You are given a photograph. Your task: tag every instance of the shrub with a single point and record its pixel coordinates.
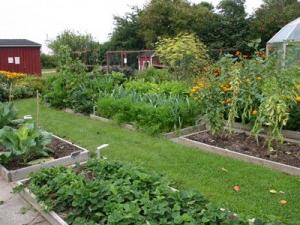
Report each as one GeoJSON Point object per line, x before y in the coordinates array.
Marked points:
{"type": "Point", "coordinates": [21, 86]}
{"type": "Point", "coordinates": [184, 54]}
{"type": "Point", "coordinates": [154, 75]}
{"type": "Point", "coordinates": [79, 91]}
{"type": "Point", "coordinates": [165, 87]}
{"type": "Point", "coordinates": [294, 119]}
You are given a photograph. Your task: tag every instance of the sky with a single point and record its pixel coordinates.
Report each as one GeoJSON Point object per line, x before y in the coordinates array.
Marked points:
{"type": "Point", "coordinates": [42, 20]}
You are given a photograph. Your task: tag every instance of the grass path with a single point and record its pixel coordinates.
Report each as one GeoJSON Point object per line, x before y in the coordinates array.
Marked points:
{"type": "Point", "coordinates": [188, 167]}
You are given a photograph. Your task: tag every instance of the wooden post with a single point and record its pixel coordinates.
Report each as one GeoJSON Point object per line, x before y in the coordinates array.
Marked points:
{"type": "Point", "coordinates": [10, 92]}
{"type": "Point", "coordinates": [107, 63]}
{"type": "Point", "coordinates": [37, 108]}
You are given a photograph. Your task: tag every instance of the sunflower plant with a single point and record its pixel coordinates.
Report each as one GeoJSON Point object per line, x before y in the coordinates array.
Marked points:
{"type": "Point", "coordinates": [256, 91]}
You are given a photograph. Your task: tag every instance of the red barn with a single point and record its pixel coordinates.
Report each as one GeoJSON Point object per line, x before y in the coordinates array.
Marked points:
{"type": "Point", "coordinates": [20, 55]}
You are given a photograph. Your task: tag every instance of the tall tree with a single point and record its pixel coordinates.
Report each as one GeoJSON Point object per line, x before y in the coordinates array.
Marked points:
{"type": "Point", "coordinates": [162, 18]}
{"type": "Point", "coordinates": [272, 16]}
{"type": "Point", "coordinates": [126, 33]}
{"type": "Point", "coordinates": [234, 32]}
{"type": "Point", "coordinates": [82, 46]}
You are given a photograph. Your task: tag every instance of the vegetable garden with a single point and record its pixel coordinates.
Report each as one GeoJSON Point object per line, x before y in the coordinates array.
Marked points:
{"type": "Point", "coordinates": [255, 91]}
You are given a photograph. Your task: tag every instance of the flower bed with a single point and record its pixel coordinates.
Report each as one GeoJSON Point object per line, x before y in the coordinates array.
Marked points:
{"type": "Point", "coordinates": [113, 193]}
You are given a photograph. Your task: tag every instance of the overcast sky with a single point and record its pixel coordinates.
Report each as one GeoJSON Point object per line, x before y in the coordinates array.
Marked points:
{"type": "Point", "coordinates": [39, 20]}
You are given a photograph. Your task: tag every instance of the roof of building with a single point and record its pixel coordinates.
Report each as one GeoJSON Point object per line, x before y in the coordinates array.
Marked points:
{"type": "Point", "coordinates": [18, 43]}
{"type": "Point", "coordinates": [290, 32]}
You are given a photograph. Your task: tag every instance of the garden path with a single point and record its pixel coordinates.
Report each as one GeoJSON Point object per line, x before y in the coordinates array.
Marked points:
{"type": "Point", "coordinates": [16, 211]}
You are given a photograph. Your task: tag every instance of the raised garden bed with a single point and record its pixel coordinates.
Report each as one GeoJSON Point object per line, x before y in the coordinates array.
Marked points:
{"type": "Point", "coordinates": [114, 193]}
{"type": "Point", "coordinates": [65, 153]}
{"type": "Point", "coordinates": [240, 145]}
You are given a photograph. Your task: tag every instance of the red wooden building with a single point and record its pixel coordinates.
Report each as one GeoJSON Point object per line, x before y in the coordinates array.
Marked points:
{"type": "Point", "coordinates": [20, 55]}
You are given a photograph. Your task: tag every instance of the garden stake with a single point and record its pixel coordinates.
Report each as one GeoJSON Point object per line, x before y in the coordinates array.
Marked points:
{"type": "Point", "coordinates": [99, 150]}
{"type": "Point", "coordinates": [10, 92]}
{"type": "Point", "coordinates": [37, 108]}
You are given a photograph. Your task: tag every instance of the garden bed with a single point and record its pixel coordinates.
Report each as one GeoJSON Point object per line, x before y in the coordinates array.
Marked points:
{"type": "Point", "coordinates": [241, 145]}
{"type": "Point", "coordinates": [65, 153]}
{"type": "Point", "coordinates": [116, 193]}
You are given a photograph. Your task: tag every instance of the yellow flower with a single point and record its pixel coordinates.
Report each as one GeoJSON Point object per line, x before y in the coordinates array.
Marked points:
{"type": "Point", "coordinates": [12, 75]}
{"type": "Point", "coordinates": [227, 101]}
{"type": "Point", "coordinates": [254, 113]}
{"type": "Point", "coordinates": [298, 86]}
{"type": "Point", "coordinates": [258, 78]}
{"type": "Point", "coordinates": [298, 99]}
{"type": "Point", "coordinates": [227, 88]}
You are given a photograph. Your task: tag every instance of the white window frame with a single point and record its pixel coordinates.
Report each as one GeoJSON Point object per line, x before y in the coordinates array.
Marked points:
{"type": "Point", "coordinates": [17, 60]}
{"type": "Point", "coordinates": [10, 60]}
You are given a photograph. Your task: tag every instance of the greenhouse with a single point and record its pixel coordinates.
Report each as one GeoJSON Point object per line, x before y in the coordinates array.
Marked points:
{"type": "Point", "coordinates": [285, 45]}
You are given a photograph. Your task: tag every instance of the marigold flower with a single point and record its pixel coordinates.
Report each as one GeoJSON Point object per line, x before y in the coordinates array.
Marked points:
{"type": "Point", "coordinates": [227, 88]}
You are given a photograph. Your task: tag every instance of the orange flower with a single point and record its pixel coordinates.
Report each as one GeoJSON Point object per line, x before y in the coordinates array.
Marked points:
{"type": "Point", "coordinates": [237, 53]}
{"type": "Point", "coordinates": [254, 113]}
{"type": "Point", "coordinates": [217, 72]}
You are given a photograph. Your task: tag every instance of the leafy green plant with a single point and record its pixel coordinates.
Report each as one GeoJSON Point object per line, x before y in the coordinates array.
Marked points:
{"type": "Point", "coordinates": [24, 144]}
{"type": "Point", "coordinates": [154, 75]}
{"type": "Point", "coordinates": [153, 113]}
{"type": "Point", "coordinates": [8, 113]}
{"type": "Point", "coordinates": [165, 87]}
{"type": "Point", "coordinates": [115, 193]}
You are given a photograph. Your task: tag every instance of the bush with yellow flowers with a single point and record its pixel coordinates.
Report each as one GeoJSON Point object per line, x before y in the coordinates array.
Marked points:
{"type": "Point", "coordinates": [18, 85]}
{"type": "Point", "coordinates": [12, 75]}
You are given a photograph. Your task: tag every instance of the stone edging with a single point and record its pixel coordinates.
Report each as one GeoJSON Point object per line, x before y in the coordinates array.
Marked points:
{"type": "Point", "coordinates": [105, 120]}
{"type": "Point", "coordinates": [19, 174]}
{"type": "Point", "coordinates": [236, 155]}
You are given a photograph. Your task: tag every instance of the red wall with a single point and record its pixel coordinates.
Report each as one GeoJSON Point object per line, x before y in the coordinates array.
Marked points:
{"type": "Point", "coordinates": [30, 61]}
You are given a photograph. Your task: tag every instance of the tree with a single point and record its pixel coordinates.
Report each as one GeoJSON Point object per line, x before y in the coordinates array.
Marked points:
{"type": "Point", "coordinates": [184, 54]}
{"type": "Point", "coordinates": [126, 32]}
{"type": "Point", "coordinates": [163, 18]}
{"type": "Point", "coordinates": [234, 32]}
{"type": "Point", "coordinates": [272, 16]}
{"type": "Point", "coordinates": [82, 46]}
{"type": "Point", "coordinates": [48, 61]}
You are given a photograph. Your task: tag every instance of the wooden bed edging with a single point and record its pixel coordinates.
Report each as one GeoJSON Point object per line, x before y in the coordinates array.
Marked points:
{"type": "Point", "coordinates": [236, 155]}
{"type": "Point", "coordinates": [19, 174]}
{"type": "Point", "coordinates": [52, 217]}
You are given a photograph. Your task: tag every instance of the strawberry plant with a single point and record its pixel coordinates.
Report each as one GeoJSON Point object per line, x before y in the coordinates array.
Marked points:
{"type": "Point", "coordinates": [103, 192]}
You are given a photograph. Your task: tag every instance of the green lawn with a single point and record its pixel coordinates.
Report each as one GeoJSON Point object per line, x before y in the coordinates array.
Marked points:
{"type": "Point", "coordinates": [188, 167]}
